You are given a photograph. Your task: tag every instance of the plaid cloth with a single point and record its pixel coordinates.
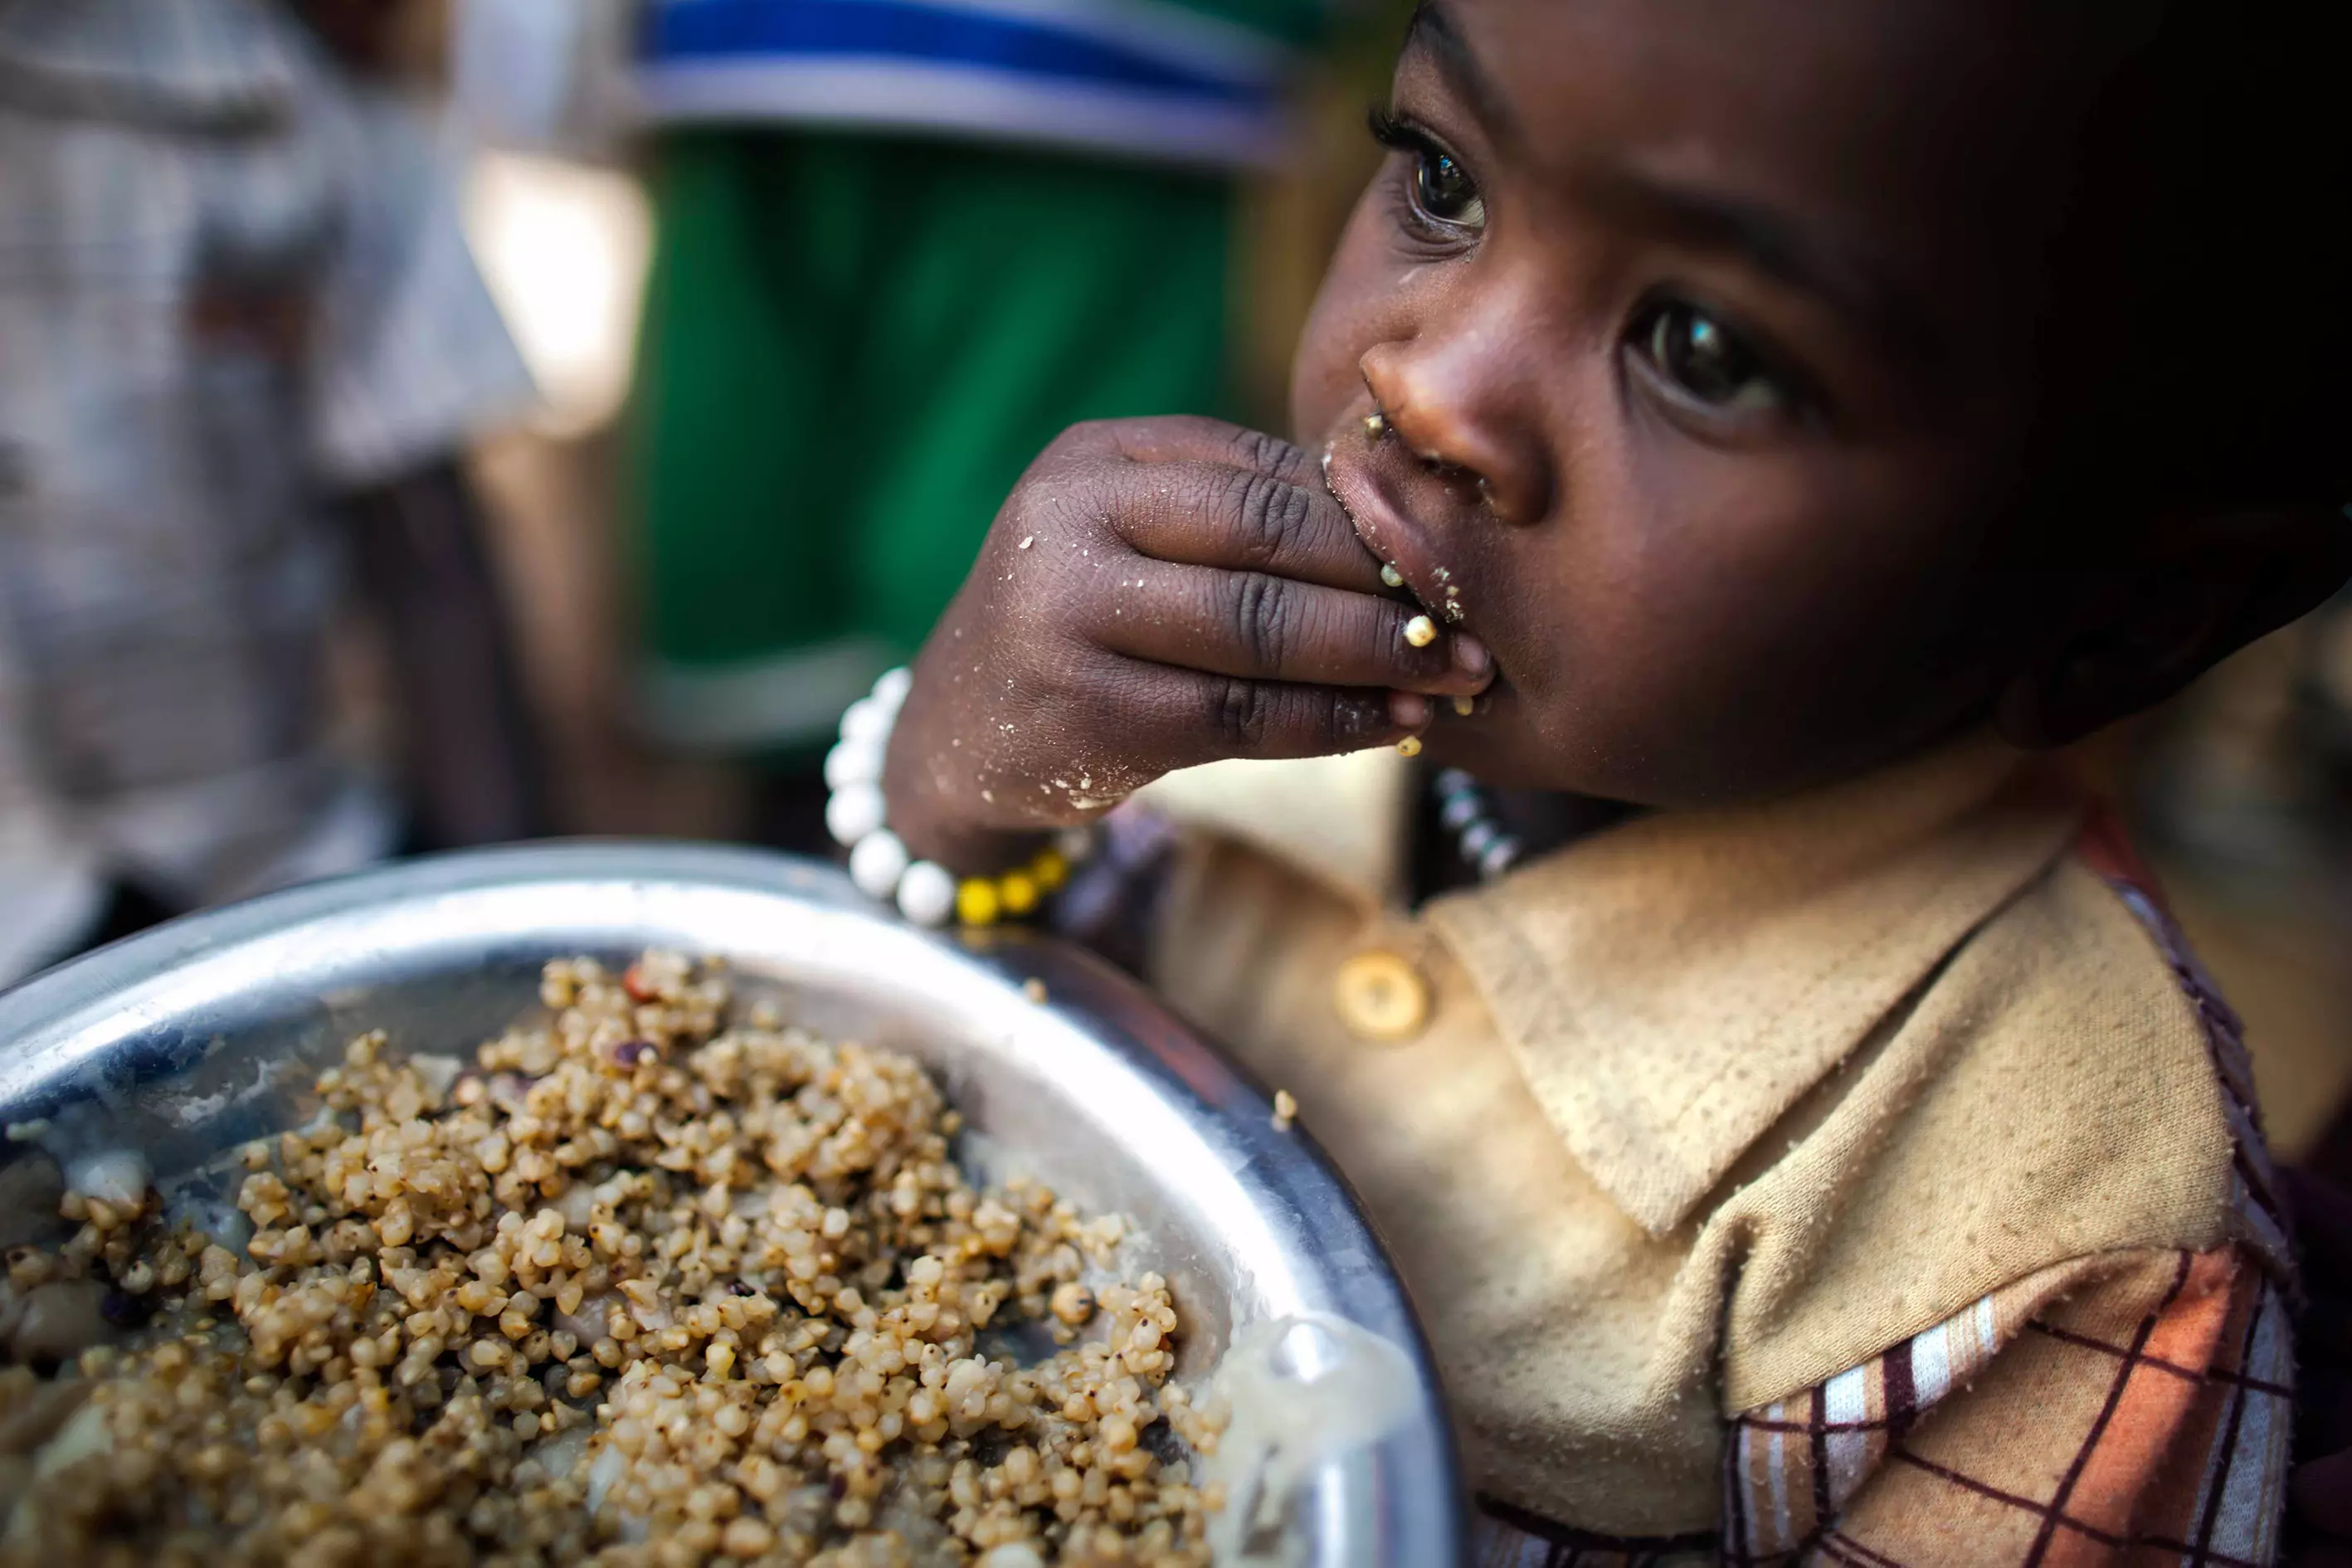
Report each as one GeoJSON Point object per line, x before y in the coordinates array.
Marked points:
{"type": "Point", "coordinates": [231, 285]}
{"type": "Point", "coordinates": [2127, 1408]}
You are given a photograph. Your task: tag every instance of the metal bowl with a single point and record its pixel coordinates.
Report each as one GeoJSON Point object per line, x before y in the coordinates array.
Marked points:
{"type": "Point", "coordinates": [191, 1039]}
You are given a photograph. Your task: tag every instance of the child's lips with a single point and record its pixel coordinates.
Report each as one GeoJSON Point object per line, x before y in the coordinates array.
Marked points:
{"type": "Point", "coordinates": [1382, 522]}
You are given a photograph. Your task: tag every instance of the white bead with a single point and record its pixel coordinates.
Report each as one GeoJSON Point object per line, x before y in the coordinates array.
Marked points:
{"type": "Point", "coordinates": [855, 811]}
{"type": "Point", "coordinates": [1478, 837]}
{"type": "Point", "coordinates": [864, 719]}
{"type": "Point", "coordinates": [927, 893]}
{"type": "Point", "coordinates": [854, 763]}
{"type": "Point", "coordinates": [891, 693]}
{"type": "Point", "coordinates": [877, 862]}
{"type": "Point", "coordinates": [1076, 844]}
{"type": "Point", "coordinates": [1499, 857]}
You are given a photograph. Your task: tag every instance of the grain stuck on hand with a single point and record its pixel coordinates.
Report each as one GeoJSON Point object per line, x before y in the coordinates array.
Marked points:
{"type": "Point", "coordinates": [641, 1287]}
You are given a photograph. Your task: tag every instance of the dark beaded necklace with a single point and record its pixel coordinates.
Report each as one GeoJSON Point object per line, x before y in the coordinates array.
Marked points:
{"type": "Point", "coordinates": [1467, 833]}
{"type": "Point", "coordinates": [1485, 845]}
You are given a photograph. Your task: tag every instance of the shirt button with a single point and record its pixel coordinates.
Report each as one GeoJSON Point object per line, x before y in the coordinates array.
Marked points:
{"type": "Point", "coordinates": [1380, 996]}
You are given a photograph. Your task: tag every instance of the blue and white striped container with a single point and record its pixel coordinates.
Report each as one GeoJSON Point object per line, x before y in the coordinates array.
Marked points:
{"type": "Point", "coordinates": [1141, 78]}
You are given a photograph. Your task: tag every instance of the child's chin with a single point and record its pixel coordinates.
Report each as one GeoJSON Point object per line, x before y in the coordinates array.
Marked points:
{"type": "Point", "coordinates": [1479, 745]}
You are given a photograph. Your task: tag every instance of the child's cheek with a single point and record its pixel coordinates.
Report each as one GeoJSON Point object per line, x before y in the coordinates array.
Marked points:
{"type": "Point", "coordinates": [1323, 380]}
{"type": "Point", "coordinates": [1357, 308]}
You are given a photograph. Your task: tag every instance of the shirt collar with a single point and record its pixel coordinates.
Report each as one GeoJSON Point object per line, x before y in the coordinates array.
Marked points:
{"type": "Point", "coordinates": [1673, 987]}
{"type": "Point", "coordinates": [205, 62]}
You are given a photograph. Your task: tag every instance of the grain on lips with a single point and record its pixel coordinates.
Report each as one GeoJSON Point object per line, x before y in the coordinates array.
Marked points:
{"type": "Point", "coordinates": [643, 1286]}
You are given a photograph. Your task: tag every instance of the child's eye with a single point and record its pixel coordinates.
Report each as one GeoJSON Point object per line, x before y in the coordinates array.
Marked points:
{"type": "Point", "coordinates": [1440, 190]}
{"type": "Point", "coordinates": [1444, 193]}
{"type": "Point", "coordinates": [1709, 363]}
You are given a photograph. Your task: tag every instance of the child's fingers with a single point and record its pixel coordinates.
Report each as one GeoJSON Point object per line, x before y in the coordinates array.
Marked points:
{"type": "Point", "coordinates": [1188, 439]}
{"type": "Point", "coordinates": [1260, 627]}
{"type": "Point", "coordinates": [1212, 494]}
{"type": "Point", "coordinates": [1205, 515]}
{"type": "Point", "coordinates": [1206, 718]}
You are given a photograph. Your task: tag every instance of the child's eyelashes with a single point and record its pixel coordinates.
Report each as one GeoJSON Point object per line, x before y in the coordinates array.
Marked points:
{"type": "Point", "coordinates": [1441, 198]}
{"type": "Point", "coordinates": [1709, 367]}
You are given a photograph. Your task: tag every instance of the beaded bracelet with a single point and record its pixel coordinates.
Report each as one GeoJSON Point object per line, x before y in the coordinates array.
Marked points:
{"type": "Point", "coordinates": [926, 892]}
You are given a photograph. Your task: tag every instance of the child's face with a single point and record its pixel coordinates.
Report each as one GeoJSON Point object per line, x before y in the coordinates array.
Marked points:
{"type": "Point", "coordinates": [1729, 304]}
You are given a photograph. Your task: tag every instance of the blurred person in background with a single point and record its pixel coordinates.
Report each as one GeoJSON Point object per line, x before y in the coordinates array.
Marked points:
{"type": "Point", "coordinates": [241, 346]}
{"type": "Point", "coordinates": [900, 245]}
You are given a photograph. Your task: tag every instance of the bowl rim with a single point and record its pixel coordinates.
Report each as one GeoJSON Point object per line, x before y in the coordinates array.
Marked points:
{"type": "Point", "coordinates": [54, 1024]}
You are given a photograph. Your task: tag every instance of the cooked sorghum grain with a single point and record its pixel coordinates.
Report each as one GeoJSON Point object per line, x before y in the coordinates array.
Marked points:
{"type": "Point", "coordinates": [643, 1287]}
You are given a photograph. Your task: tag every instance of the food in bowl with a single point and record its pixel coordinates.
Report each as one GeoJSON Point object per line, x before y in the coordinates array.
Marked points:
{"type": "Point", "coordinates": [643, 1283]}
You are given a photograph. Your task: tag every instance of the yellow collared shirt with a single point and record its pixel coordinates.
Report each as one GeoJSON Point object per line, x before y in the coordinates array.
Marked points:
{"type": "Point", "coordinates": [1800, 1179]}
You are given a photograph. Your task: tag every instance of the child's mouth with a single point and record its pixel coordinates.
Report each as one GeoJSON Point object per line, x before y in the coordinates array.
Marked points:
{"type": "Point", "coordinates": [1352, 472]}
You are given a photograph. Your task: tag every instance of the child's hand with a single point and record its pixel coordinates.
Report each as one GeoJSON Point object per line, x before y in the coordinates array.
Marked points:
{"type": "Point", "coordinates": [1155, 592]}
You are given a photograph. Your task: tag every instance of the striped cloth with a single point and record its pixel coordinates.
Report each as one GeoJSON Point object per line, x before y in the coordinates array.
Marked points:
{"type": "Point", "coordinates": [230, 286]}
{"type": "Point", "coordinates": [2127, 1408]}
{"type": "Point", "coordinates": [1150, 79]}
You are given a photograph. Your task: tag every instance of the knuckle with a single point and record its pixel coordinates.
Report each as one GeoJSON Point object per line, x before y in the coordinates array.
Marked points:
{"type": "Point", "coordinates": [1055, 514]}
{"type": "Point", "coordinates": [1124, 441]}
{"type": "Point", "coordinates": [1267, 515]}
{"type": "Point", "coordinates": [1241, 712]}
{"type": "Point", "coordinates": [1076, 445]}
{"type": "Point", "coordinates": [1261, 617]}
{"type": "Point", "coordinates": [1087, 436]}
{"type": "Point", "coordinates": [1092, 448]}
{"type": "Point", "coordinates": [1270, 454]}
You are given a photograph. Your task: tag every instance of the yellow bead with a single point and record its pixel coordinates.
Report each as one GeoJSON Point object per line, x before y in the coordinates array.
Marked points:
{"type": "Point", "coordinates": [977, 903]}
{"type": "Point", "coordinates": [1018, 892]}
{"type": "Point", "coordinates": [1049, 870]}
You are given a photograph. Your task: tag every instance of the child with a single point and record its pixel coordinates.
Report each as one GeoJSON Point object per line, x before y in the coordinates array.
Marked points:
{"type": "Point", "coordinates": [1786, 416]}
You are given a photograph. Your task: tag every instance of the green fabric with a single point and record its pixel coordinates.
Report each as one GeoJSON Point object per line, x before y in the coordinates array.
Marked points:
{"type": "Point", "coordinates": [854, 344]}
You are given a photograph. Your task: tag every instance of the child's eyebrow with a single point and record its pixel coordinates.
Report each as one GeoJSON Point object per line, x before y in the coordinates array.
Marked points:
{"type": "Point", "coordinates": [1767, 240]}
{"type": "Point", "coordinates": [1433, 30]}
{"type": "Point", "coordinates": [1701, 217]}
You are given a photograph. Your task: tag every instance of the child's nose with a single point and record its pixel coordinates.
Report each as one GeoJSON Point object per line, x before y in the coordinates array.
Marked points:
{"type": "Point", "coordinates": [1457, 409]}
